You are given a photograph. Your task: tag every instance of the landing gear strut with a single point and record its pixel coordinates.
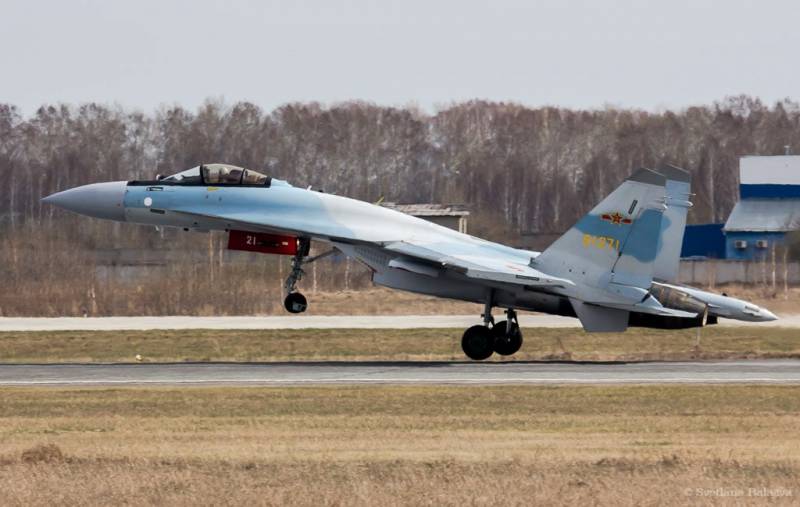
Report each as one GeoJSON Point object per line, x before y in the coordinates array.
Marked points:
{"type": "Point", "coordinates": [504, 337]}
{"type": "Point", "coordinates": [295, 302]}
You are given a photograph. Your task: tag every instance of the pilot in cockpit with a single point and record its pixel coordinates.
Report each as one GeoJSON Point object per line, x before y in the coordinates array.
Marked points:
{"type": "Point", "coordinates": [219, 174]}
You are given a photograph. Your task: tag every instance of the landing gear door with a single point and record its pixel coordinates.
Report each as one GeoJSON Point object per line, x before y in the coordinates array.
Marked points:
{"type": "Point", "coordinates": [262, 243]}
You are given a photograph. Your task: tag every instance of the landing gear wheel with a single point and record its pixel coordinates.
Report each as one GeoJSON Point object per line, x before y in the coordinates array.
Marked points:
{"type": "Point", "coordinates": [295, 303]}
{"type": "Point", "coordinates": [478, 343]}
{"type": "Point", "coordinates": [506, 343]}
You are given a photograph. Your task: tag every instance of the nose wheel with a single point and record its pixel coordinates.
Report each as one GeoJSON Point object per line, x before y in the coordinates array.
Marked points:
{"type": "Point", "coordinates": [295, 302]}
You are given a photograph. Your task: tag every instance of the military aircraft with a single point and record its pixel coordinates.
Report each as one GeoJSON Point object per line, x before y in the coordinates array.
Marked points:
{"type": "Point", "coordinates": [615, 268]}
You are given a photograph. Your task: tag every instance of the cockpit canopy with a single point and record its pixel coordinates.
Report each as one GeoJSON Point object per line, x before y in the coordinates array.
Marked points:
{"type": "Point", "coordinates": [219, 174]}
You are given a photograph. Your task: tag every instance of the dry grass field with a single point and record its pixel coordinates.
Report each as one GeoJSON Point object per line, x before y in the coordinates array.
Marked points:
{"type": "Point", "coordinates": [388, 344]}
{"type": "Point", "coordinates": [398, 445]}
{"type": "Point", "coordinates": [385, 445]}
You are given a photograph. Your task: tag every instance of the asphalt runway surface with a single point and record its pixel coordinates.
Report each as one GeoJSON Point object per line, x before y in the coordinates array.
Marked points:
{"type": "Point", "coordinates": [300, 373]}
{"type": "Point", "coordinates": [303, 322]}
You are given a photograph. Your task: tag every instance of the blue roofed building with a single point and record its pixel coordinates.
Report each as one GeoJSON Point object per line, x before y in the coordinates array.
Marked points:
{"type": "Point", "coordinates": [769, 206]}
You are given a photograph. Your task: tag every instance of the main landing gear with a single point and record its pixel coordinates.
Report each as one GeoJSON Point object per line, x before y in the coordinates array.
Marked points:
{"type": "Point", "coordinates": [504, 337]}
{"type": "Point", "coordinates": [295, 302]}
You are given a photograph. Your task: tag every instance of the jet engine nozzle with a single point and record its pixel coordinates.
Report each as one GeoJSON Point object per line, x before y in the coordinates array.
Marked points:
{"type": "Point", "coordinates": [677, 299]}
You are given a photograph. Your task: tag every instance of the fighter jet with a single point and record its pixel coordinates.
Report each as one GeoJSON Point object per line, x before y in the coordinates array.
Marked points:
{"type": "Point", "coordinates": [613, 269]}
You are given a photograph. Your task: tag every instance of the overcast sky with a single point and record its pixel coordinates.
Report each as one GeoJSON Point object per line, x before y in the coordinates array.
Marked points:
{"type": "Point", "coordinates": [652, 55]}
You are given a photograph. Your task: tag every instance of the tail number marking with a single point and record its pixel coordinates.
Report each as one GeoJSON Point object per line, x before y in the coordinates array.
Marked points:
{"type": "Point", "coordinates": [601, 242]}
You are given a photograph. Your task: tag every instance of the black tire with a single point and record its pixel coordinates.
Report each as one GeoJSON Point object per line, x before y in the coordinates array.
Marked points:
{"type": "Point", "coordinates": [478, 343]}
{"type": "Point", "coordinates": [506, 344]}
{"type": "Point", "coordinates": [295, 303]}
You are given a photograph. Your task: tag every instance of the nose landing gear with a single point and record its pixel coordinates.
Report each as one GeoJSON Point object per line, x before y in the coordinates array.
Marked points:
{"type": "Point", "coordinates": [295, 302]}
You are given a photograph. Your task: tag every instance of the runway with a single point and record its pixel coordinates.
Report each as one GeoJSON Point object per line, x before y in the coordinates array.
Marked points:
{"type": "Point", "coordinates": [303, 322]}
{"type": "Point", "coordinates": [299, 373]}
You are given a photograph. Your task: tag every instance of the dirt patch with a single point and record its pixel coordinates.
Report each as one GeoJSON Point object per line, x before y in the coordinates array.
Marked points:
{"type": "Point", "coordinates": [42, 453]}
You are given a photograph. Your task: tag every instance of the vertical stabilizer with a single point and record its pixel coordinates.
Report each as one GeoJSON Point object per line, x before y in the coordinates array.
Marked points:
{"type": "Point", "coordinates": [673, 224]}
{"type": "Point", "coordinates": [617, 241]}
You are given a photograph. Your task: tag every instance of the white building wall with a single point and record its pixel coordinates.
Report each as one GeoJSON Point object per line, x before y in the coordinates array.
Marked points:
{"type": "Point", "coordinates": [776, 170]}
{"type": "Point", "coordinates": [711, 272]}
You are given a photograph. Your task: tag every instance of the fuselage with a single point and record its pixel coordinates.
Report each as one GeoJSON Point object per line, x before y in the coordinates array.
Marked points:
{"type": "Point", "coordinates": [355, 227]}
{"type": "Point", "coordinates": [283, 207]}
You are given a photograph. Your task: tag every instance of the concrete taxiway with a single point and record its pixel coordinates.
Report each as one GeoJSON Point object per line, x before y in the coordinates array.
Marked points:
{"type": "Point", "coordinates": [301, 322]}
{"type": "Point", "coordinates": [720, 372]}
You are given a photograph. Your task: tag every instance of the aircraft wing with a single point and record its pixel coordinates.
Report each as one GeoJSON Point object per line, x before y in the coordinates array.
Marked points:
{"type": "Point", "coordinates": [475, 259]}
{"type": "Point", "coordinates": [475, 263]}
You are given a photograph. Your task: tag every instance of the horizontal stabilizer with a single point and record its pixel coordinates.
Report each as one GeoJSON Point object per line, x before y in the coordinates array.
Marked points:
{"type": "Point", "coordinates": [614, 317]}
{"type": "Point", "coordinates": [650, 306]}
{"type": "Point", "coordinates": [600, 319]}
{"type": "Point", "coordinates": [663, 311]}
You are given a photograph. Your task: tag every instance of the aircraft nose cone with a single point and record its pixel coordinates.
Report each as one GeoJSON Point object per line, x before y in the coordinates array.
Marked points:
{"type": "Point", "coordinates": [99, 200]}
{"type": "Point", "coordinates": [767, 315]}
